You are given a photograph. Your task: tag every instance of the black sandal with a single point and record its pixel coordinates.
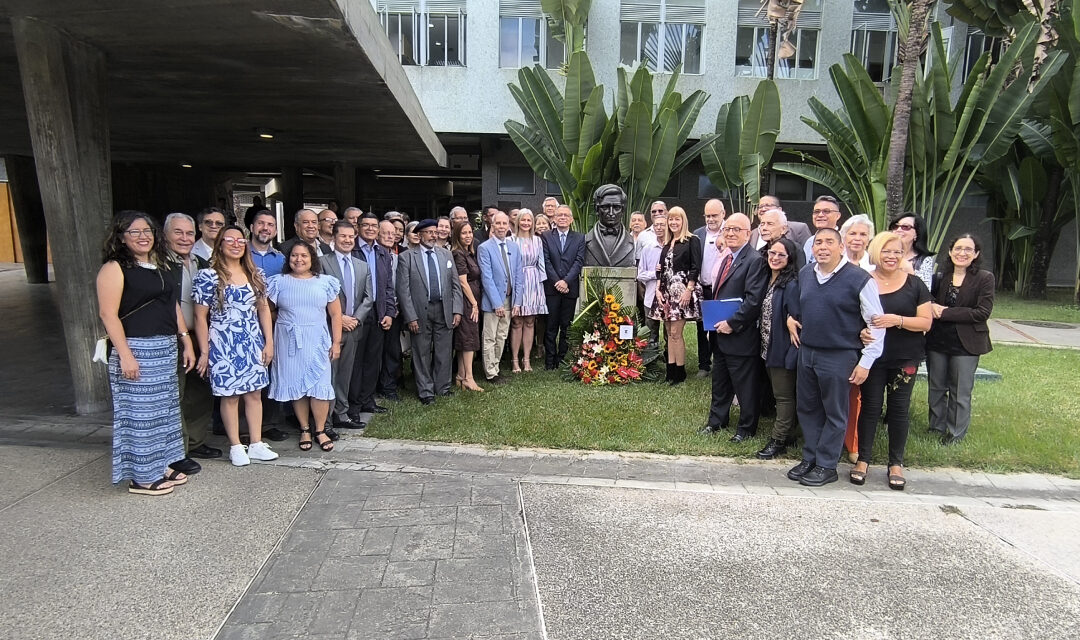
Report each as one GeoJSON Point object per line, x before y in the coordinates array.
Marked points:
{"type": "Point", "coordinates": [858, 477]}
{"type": "Point", "coordinates": [896, 480]}
{"type": "Point", "coordinates": [154, 489]}
{"type": "Point", "coordinates": [175, 477]}
{"type": "Point", "coordinates": [305, 446]}
{"type": "Point", "coordinates": [325, 446]}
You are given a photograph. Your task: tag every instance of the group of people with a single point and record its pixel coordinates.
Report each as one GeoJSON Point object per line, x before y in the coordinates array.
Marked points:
{"type": "Point", "coordinates": [204, 324]}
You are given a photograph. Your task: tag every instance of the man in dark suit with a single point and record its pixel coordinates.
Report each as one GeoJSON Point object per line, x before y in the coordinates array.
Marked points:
{"type": "Point", "coordinates": [483, 230]}
{"type": "Point", "coordinates": [368, 364]}
{"type": "Point", "coordinates": [429, 292]}
{"type": "Point", "coordinates": [710, 256]}
{"type": "Point", "coordinates": [355, 299]}
{"type": "Point", "coordinates": [797, 232]}
{"type": "Point", "coordinates": [743, 274]}
{"type": "Point", "coordinates": [564, 255]}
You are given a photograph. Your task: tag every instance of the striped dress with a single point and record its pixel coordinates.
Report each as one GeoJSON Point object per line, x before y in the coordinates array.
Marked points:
{"type": "Point", "coordinates": [301, 364]}
{"type": "Point", "coordinates": [533, 301]}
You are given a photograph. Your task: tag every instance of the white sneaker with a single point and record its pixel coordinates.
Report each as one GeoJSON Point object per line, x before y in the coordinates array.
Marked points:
{"type": "Point", "coordinates": [239, 456]}
{"type": "Point", "coordinates": [261, 451]}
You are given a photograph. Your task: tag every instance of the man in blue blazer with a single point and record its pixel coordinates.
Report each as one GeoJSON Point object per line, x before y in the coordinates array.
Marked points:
{"type": "Point", "coordinates": [741, 274]}
{"type": "Point", "coordinates": [564, 255]}
{"type": "Point", "coordinates": [502, 278]}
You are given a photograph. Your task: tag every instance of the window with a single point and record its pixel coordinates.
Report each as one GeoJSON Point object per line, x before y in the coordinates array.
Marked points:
{"type": "Point", "coordinates": [525, 38]}
{"type": "Point", "coordinates": [979, 43]}
{"type": "Point", "coordinates": [873, 38]}
{"type": "Point", "coordinates": [516, 180]}
{"type": "Point", "coordinates": [425, 32]}
{"type": "Point", "coordinates": [752, 43]}
{"type": "Point", "coordinates": [662, 34]}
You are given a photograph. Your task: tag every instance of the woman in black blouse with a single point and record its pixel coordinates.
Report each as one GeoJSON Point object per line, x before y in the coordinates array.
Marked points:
{"type": "Point", "coordinates": [963, 299]}
{"type": "Point", "coordinates": [678, 298]}
{"type": "Point", "coordinates": [905, 301]}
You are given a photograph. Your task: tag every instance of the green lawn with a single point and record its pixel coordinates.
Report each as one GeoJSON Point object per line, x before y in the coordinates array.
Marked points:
{"type": "Point", "coordinates": [1058, 307]}
{"type": "Point", "coordinates": [1030, 421]}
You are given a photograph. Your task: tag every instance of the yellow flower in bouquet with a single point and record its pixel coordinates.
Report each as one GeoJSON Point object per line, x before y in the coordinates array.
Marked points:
{"type": "Point", "coordinates": [613, 328]}
{"type": "Point", "coordinates": [608, 299]}
{"type": "Point", "coordinates": [615, 306]}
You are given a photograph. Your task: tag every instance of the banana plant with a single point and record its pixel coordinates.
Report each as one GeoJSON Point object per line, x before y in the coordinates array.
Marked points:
{"type": "Point", "coordinates": [570, 139]}
{"type": "Point", "coordinates": [746, 130]}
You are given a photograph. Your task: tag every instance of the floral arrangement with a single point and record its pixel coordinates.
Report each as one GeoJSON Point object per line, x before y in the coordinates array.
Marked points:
{"type": "Point", "coordinates": [603, 356]}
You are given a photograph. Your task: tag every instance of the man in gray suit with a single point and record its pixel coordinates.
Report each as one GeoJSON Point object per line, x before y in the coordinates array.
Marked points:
{"type": "Point", "coordinates": [429, 300]}
{"type": "Point", "coordinates": [355, 298]}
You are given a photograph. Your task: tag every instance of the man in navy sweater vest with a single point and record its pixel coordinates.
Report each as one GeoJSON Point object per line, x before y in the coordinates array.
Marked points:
{"type": "Point", "coordinates": [838, 300]}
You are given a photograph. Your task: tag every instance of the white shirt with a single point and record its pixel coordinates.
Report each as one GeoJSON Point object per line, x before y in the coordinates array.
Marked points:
{"type": "Point", "coordinates": [202, 249]}
{"type": "Point", "coordinates": [647, 261]}
{"type": "Point", "coordinates": [709, 257]}
{"type": "Point", "coordinates": [644, 239]}
{"type": "Point", "coordinates": [869, 306]}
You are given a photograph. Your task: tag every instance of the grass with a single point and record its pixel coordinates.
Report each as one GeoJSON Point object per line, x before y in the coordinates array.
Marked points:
{"type": "Point", "coordinates": [1058, 307]}
{"type": "Point", "coordinates": [1029, 421]}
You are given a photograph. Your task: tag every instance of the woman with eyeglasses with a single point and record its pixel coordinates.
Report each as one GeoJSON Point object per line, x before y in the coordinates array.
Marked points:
{"type": "Point", "coordinates": [918, 259]}
{"type": "Point", "coordinates": [963, 300]}
{"type": "Point", "coordinates": [779, 347]}
{"type": "Point", "coordinates": [140, 310]}
{"type": "Point", "coordinates": [905, 301]}
{"type": "Point", "coordinates": [232, 321]}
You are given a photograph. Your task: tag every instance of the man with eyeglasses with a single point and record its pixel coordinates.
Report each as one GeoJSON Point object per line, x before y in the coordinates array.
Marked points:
{"type": "Point", "coordinates": [712, 246]}
{"type": "Point", "coordinates": [796, 231]}
{"type": "Point", "coordinates": [736, 346]}
{"type": "Point", "coordinates": [826, 216]}
{"type": "Point", "coordinates": [211, 220]}
{"type": "Point", "coordinates": [837, 301]}
{"type": "Point", "coordinates": [327, 220]}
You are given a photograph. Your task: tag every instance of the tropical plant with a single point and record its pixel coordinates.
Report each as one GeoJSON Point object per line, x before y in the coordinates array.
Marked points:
{"type": "Point", "coordinates": [746, 130]}
{"type": "Point", "coordinates": [566, 22]}
{"type": "Point", "coordinates": [572, 141]}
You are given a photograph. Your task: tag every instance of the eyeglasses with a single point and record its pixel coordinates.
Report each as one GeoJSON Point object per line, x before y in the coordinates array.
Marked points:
{"type": "Point", "coordinates": [894, 254]}
{"type": "Point", "coordinates": [213, 223]}
{"type": "Point", "coordinates": [963, 250]}
{"type": "Point", "coordinates": [733, 229]}
{"type": "Point", "coordinates": [235, 242]}
{"type": "Point", "coordinates": [328, 220]}
{"type": "Point", "coordinates": [777, 255]}
{"type": "Point", "coordinates": [656, 210]}
{"type": "Point", "coordinates": [904, 227]}
{"type": "Point", "coordinates": [139, 233]}
{"type": "Point", "coordinates": [825, 212]}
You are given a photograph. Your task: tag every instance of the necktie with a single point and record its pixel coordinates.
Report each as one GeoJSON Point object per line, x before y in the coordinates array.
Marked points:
{"type": "Point", "coordinates": [562, 241]}
{"type": "Point", "coordinates": [725, 268]}
{"type": "Point", "coordinates": [506, 266]}
{"type": "Point", "coordinates": [433, 278]}
{"type": "Point", "coordinates": [350, 285]}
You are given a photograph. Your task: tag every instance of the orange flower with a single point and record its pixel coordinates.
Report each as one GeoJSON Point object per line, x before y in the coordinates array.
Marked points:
{"type": "Point", "coordinates": [608, 299]}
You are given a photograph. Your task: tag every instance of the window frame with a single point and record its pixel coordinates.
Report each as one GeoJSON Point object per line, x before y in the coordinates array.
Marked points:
{"type": "Point", "coordinates": [740, 70]}
{"type": "Point", "coordinates": [545, 35]}
{"type": "Point", "coordinates": [424, 22]}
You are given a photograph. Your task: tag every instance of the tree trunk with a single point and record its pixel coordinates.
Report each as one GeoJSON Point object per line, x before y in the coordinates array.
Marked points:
{"type": "Point", "coordinates": [770, 57]}
{"type": "Point", "coordinates": [910, 47]}
{"type": "Point", "coordinates": [1045, 237]}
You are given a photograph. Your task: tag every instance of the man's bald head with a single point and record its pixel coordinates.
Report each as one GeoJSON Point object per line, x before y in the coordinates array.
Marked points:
{"type": "Point", "coordinates": [768, 202]}
{"type": "Point", "coordinates": [736, 231]}
{"type": "Point", "coordinates": [714, 214]}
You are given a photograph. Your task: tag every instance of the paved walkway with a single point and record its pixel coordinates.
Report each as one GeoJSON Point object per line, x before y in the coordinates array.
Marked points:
{"type": "Point", "coordinates": [1034, 333]}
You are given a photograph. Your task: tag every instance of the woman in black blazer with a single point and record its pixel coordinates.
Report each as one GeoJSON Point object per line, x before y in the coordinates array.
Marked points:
{"type": "Point", "coordinates": [678, 298]}
{"type": "Point", "coordinates": [963, 299]}
{"type": "Point", "coordinates": [779, 349]}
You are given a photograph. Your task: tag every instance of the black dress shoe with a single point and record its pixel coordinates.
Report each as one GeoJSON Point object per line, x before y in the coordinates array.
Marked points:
{"type": "Point", "coordinates": [740, 436]}
{"type": "Point", "coordinates": [799, 470]}
{"type": "Point", "coordinates": [187, 466]}
{"type": "Point", "coordinates": [348, 424]}
{"type": "Point", "coordinates": [391, 396]}
{"type": "Point", "coordinates": [274, 434]}
{"type": "Point", "coordinates": [818, 476]}
{"type": "Point", "coordinates": [374, 409]}
{"type": "Point", "coordinates": [333, 435]}
{"type": "Point", "coordinates": [427, 401]}
{"type": "Point", "coordinates": [709, 430]}
{"type": "Point", "coordinates": [205, 452]}
{"type": "Point", "coordinates": [771, 450]}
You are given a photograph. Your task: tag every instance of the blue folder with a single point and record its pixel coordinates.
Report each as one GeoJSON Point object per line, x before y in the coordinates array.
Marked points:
{"type": "Point", "coordinates": [714, 311]}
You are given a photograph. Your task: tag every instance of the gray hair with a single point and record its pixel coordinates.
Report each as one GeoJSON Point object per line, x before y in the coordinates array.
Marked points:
{"type": "Point", "coordinates": [780, 215]}
{"type": "Point", "coordinates": [296, 216]}
{"type": "Point", "coordinates": [345, 214]}
{"type": "Point", "coordinates": [177, 216]}
{"type": "Point", "coordinates": [862, 219]}
{"type": "Point", "coordinates": [456, 209]}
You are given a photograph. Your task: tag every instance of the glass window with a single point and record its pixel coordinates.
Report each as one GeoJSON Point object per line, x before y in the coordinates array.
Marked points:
{"type": "Point", "coordinates": [788, 187]}
{"type": "Point", "coordinates": [524, 42]}
{"type": "Point", "coordinates": [752, 50]}
{"type": "Point", "coordinates": [979, 43]}
{"type": "Point", "coordinates": [662, 34]}
{"type": "Point", "coordinates": [433, 39]}
{"type": "Point", "coordinates": [555, 53]}
{"type": "Point", "coordinates": [509, 43]}
{"type": "Point", "coordinates": [516, 180]}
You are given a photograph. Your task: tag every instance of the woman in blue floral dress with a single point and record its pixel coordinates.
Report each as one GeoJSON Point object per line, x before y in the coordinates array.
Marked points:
{"type": "Point", "coordinates": [304, 299]}
{"type": "Point", "coordinates": [232, 321]}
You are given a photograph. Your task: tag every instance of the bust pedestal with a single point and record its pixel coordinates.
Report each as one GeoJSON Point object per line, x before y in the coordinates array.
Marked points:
{"type": "Point", "coordinates": [623, 277]}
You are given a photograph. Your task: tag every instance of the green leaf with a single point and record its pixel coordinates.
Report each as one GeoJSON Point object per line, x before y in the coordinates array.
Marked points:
{"type": "Point", "coordinates": [580, 83]}
{"type": "Point", "coordinates": [762, 124]}
{"type": "Point", "coordinates": [593, 122]}
{"type": "Point", "coordinates": [635, 143]}
{"type": "Point", "coordinates": [641, 87]}
{"type": "Point", "coordinates": [540, 158]}
{"type": "Point", "coordinates": [664, 147]}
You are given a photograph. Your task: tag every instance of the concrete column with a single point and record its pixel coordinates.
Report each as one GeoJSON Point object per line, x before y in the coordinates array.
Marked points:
{"type": "Point", "coordinates": [64, 81]}
{"type": "Point", "coordinates": [345, 184]}
{"type": "Point", "coordinates": [30, 216]}
{"type": "Point", "coordinates": [292, 196]}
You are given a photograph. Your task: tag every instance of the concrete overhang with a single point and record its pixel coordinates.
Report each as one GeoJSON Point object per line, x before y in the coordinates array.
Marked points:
{"type": "Point", "coordinates": [193, 81]}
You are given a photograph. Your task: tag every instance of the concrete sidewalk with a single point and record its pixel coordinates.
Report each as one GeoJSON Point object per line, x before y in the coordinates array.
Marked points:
{"type": "Point", "coordinates": [1035, 333]}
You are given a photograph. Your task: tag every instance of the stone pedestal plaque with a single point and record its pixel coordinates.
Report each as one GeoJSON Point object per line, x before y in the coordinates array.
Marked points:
{"type": "Point", "coordinates": [623, 277]}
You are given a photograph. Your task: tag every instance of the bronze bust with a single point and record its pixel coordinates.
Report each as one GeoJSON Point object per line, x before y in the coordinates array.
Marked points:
{"type": "Point", "coordinates": [608, 244]}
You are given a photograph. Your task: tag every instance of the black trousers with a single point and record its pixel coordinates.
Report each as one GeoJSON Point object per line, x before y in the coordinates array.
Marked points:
{"type": "Point", "coordinates": [391, 358]}
{"type": "Point", "coordinates": [366, 366]}
{"type": "Point", "coordinates": [731, 376]}
{"type": "Point", "coordinates": [880, 382]}
{"type": "Point", "coordinates": [560, 313]}
{"type": "Point", "coordinates": [704, 349]}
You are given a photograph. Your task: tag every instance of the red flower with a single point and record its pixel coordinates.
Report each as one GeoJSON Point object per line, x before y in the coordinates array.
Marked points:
{"type": "Point", "coordinates": [910, 370]}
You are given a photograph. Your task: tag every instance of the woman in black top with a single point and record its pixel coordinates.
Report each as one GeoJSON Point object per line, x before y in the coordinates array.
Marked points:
{"type": "Point", "coordinates": [678, 298]}
{"type": "Point", "coordinates": [906, 303]}
{"type": "Point", "coordinates": [140, 308]}
{"type": "Point", "coordinates": [779, 349]}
